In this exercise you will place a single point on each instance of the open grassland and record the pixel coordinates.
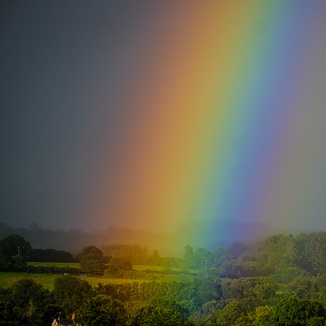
(164, 269)
(73, 265)
(149, 268)
(8, 279)
(136, 267)
(47, 280)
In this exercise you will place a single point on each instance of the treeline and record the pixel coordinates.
(281, 256)
(15, 252)
(28, 303)
(207, 300)
(51, 255)
(278, 281)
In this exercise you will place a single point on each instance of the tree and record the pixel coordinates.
(263, 316)
(15, 245)
(133, 253)
(117, 266)
(155, 259)
(220, 258)
(172, 305)
(92, 260)
(103, 310)
(293, 311)
(208, 286)
(51, 255)
(229, 315)
(89, 264)
(71, 293)
(262, 292)
(201, 258)
(14, 252)
(95, 252)
(189, 256)
(29, 299)
(155, 316)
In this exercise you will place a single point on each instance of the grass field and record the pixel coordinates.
(74, 265)
(150, 268)
(8, 279)
(163, 269)
(136, 267)
(47, 280)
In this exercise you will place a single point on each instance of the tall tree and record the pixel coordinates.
(71, 293)
(15, 245)
(103, 310)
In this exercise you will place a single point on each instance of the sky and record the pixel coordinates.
(147, 114)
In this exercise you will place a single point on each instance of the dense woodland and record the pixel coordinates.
(278, 281)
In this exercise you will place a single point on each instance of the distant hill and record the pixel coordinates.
(206, 234)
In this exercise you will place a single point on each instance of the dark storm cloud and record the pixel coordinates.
(64, 65)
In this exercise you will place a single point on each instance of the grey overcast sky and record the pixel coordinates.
(73, 75)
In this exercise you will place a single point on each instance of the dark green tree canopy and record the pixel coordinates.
(71, 292)
(295, 311)
(95, 253)
(103, 310)
(15, 245)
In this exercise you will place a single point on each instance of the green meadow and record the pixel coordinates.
(73, 265)
(47, 280)
(8, 279)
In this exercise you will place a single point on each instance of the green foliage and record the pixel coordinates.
(208, 286)
(95, 252)
(274, 282)
(92, 260)
(155, 316)
(70, 292)
(263, 316)
(293, 311)
(133, 253)
(24, 304)
(103, 310)
(220, 257)
(116, 267)
(310, 249)
(301, 287)
(14, 253)
(171, 305)
(288, 257)
(15, 245)
(90, 265)
(189, 256)
(287, 273)
(231, 314)
(262, 293)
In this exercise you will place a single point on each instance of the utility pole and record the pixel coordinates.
(59, 316)
(18, 248)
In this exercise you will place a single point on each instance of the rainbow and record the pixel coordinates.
(221, 98)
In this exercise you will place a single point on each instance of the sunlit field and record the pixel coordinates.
(8, 279)
(47, 280)
(72, 265)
